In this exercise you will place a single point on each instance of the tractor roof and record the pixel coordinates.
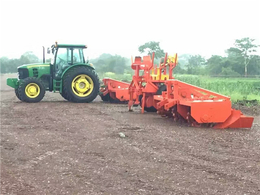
(70, 45)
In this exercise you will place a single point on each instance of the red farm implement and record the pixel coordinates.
(199, 107)
(155, 89)
(143, 87)
(114, 91)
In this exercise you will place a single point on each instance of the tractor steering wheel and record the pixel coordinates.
(62, 62)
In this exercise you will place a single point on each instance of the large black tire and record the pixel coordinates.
(68, 91)
(105, 98)
(17, 94)
(63, 95)
(22, 91)
(150, 109)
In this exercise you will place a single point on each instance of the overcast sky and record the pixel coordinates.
(119, 27)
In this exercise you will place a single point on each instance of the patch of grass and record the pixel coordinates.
(236, 89)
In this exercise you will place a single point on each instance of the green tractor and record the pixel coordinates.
(68, 73)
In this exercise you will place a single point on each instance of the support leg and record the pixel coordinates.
(143, 103)
(130, 102)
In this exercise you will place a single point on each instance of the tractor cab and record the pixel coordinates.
(64, 56)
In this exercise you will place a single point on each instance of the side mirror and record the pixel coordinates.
(48, 51)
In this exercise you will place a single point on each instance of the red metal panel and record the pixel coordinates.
(236, 120)
(210, 111)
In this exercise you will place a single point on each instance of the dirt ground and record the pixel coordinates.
(57, 147)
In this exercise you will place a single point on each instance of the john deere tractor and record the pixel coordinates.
(68, 73)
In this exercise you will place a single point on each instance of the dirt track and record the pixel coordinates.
(57, 147)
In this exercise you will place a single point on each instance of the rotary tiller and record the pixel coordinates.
(155, 89)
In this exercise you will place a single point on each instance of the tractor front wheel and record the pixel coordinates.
(17, 94)
(80, 84)
(31, 90)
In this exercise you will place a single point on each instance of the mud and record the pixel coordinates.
(57, 147)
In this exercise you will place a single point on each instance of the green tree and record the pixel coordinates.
(178, 69)
(243, 48)
(215, 64)
(254, 65)
(196, 60)
(10, 65)
(109, 63)
(227, 72)
(150, 47)
(117, 64)
(183, 59)
(29, 57)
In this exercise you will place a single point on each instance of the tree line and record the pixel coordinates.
(10, 65)
(240, 60)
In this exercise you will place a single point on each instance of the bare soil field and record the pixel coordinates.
(58, 147)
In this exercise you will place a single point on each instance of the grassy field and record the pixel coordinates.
(120, 77)
(235, 88)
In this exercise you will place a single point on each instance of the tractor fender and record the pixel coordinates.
(78, 65)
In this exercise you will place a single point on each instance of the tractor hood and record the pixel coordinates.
(34, 70)
(35, 65)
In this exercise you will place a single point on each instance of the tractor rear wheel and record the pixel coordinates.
(63, 95)
(31, 90)
(80, 84)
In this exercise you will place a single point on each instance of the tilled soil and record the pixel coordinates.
(57, 147)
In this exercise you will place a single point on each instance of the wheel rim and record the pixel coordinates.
(32, 90)
(82, 85)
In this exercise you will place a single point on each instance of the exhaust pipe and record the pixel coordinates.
(43, 54)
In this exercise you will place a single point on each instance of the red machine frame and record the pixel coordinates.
(157, 90)
(199, 107)
(144, 87)
(114, 91)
